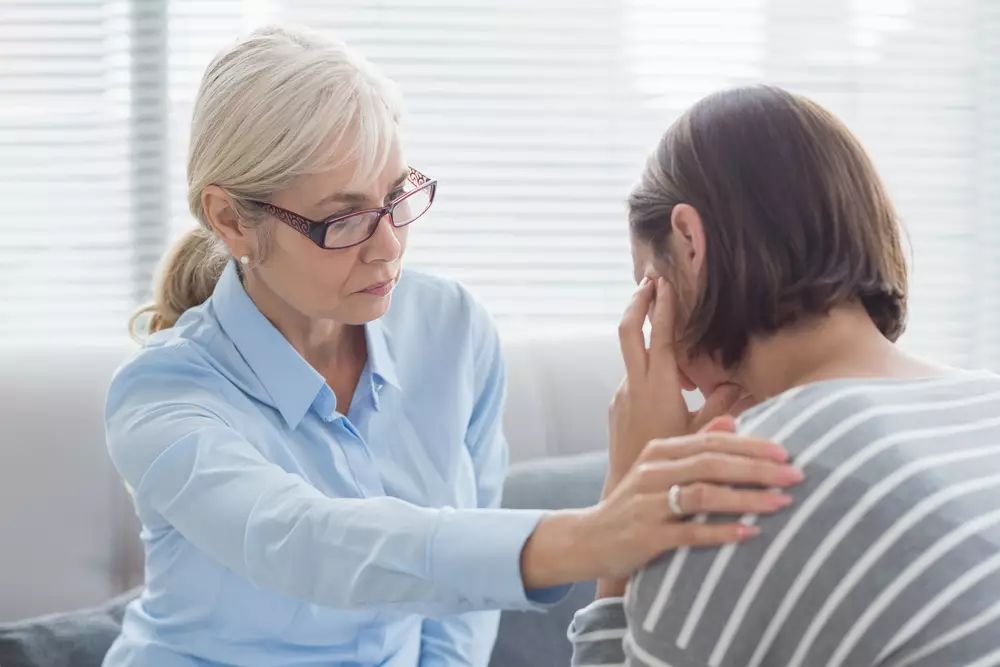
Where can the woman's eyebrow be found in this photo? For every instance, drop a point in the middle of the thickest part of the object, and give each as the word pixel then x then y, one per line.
pixel 357 197
pixel 399 181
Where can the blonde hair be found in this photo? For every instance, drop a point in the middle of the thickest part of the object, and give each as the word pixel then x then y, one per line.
pixel 269 109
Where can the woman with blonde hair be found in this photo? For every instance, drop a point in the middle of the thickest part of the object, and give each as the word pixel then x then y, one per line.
pixel 318 475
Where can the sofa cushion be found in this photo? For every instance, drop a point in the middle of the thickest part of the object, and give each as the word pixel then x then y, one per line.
pixel 562 482
pixel 73 523
pixel 72 639
pixel 558 392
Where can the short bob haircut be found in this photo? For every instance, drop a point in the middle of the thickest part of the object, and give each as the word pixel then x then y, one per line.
pixel 796 219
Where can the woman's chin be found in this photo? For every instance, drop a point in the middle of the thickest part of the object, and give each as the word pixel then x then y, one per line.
pixel 744 403
pixel 361 310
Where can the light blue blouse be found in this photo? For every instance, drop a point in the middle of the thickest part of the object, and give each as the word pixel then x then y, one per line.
pixel 279 531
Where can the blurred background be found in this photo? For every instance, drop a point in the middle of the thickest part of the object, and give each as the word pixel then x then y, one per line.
pixel 536 117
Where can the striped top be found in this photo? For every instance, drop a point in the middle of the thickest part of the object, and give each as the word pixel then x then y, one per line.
pixel 889 556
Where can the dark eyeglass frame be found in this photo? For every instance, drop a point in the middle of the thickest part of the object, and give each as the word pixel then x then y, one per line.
pixel 316 230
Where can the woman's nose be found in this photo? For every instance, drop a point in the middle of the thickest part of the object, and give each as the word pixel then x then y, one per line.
pixel 384 244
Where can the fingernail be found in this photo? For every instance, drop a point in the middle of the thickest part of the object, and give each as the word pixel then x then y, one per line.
pixel 782 500
pixel 748 531
pixel 723 423
pixel 792 475
pixel 777 452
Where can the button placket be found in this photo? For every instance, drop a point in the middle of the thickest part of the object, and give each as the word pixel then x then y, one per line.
pixel 377 385
pixel 360 459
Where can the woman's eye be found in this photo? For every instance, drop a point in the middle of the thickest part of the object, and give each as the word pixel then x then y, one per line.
pixel 351 221
pixel 340 214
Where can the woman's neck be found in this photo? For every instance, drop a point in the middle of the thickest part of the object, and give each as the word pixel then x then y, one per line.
pixel 326 344
pixel 842 344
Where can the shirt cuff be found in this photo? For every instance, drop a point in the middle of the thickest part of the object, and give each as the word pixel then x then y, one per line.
pixel 478 553
pixel 598 632
pixel 603 614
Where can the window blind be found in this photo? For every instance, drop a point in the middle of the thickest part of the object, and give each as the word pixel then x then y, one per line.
pixel 65 235
pixel 537 115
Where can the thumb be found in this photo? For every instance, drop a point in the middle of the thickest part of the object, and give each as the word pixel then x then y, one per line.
pixel 725 423
pixel 718 403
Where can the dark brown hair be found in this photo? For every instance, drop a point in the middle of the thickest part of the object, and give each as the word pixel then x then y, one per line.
pixel 796 219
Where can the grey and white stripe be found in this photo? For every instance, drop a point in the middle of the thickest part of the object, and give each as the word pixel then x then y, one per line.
pixel 787 432
pixel 918 513
pixel 673 571
pixel 890 554
pixel 956 634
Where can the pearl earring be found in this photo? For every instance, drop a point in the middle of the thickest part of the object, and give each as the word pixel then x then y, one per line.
pixel 245 260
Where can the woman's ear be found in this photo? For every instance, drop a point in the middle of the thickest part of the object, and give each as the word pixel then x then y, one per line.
pixel 689 236
pixel 225 221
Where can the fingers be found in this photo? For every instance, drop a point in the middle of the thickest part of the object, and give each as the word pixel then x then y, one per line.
pixel 720 441
pixel 662 316
pixel 662 332
pixel 715 468
pixel 693 534
pixel 630 336
pixel 724 423
pixel 702 498
pixel 718 403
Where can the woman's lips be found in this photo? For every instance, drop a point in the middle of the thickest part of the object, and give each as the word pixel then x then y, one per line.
pixel 380 289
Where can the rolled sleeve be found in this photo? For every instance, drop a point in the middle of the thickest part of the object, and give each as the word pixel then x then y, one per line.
pixel 470 543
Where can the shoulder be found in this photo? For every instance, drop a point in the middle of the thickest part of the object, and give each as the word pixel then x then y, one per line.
pixel 852 438
pixel 193 361
pixel 433 306
pixel 166 392
pixel 784 415
pixel 695 604
pixel 435 296
pixel 178 349
pixel 857 409
pixel 803 415
pixel 168 370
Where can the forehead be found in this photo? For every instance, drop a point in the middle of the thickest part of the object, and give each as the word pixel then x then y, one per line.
pixel 355 174
pixel 646 261
pixel 319 194
pixel 642 259
pixel 642 252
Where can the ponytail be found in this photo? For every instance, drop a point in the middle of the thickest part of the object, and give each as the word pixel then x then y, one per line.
pixel 187 278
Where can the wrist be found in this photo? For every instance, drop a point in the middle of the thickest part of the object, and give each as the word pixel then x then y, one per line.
pixel 611 481
pixel 615 475
pixel 556 552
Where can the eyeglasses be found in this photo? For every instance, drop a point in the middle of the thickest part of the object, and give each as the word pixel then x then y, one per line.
pixel 347 231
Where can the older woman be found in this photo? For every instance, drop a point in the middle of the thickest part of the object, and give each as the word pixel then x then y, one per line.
pixel 774 260
pixel 318 476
